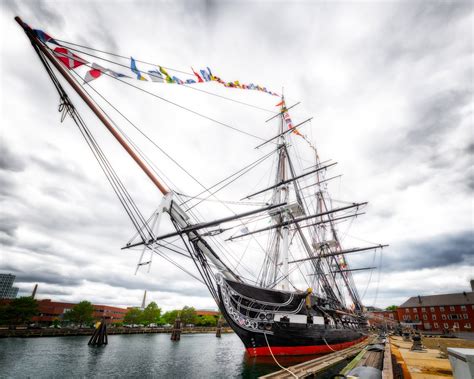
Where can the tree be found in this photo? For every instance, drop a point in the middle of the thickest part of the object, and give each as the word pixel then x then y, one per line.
pixel 170 316
pixel 206 320
pixel 20 311
pixel 151 314
pixel 188 315
pixel 391 308
pixel 133 316
pixel 81 313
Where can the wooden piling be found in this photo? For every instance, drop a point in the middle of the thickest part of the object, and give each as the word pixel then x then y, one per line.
pixel 176 333
pixel 219 327
pixel 99 337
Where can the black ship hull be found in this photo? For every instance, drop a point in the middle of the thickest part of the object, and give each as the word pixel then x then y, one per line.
pixel 275 322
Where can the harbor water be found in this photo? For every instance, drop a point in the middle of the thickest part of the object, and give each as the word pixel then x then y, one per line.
pixel 133 356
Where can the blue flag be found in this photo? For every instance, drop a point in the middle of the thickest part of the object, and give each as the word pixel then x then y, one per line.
pixel 135 70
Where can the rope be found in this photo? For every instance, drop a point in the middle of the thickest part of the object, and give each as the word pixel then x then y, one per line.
pixel 279 365
pixel 324 339
pixel 174 103
pixel 154 65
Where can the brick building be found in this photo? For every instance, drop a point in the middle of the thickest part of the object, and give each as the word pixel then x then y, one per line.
pixel 55 310
pixel 383 318
pixel 453 312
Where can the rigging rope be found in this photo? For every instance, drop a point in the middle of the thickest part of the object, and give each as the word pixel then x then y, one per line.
pixel 67 108
pixel 154 65
pixel 173 103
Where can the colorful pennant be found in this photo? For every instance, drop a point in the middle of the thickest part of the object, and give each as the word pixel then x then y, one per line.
pixel 44 37
pixel 97 70
pixel 69 59
pixel 134 69
pixel 72 61
pixel 288 122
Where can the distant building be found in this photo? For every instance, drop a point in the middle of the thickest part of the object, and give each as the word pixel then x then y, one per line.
pixel 7 291
pixel 203 312
pixel 453 312
pixel 383 318
pixel 55 310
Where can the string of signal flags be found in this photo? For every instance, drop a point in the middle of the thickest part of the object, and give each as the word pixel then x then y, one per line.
pixel 157 75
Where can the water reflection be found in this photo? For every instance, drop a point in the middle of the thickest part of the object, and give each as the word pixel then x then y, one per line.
pixel 257 366
pixel 135 356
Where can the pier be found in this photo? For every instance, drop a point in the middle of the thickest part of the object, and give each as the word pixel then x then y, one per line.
pixel 318 365
pixel 51 332
pixel 393 357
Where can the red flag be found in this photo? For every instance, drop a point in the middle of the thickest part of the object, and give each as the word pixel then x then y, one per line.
pixel 280 103
pixel 92 74
pixel 69 59
pixel 197 76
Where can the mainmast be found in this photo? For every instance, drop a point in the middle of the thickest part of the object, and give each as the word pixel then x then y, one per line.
pixel 283 195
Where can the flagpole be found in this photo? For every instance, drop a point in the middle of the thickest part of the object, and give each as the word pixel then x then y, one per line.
pixel 92 106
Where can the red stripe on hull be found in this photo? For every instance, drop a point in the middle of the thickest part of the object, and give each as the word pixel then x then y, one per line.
pixel 300 350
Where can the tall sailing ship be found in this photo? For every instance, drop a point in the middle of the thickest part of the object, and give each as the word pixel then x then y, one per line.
pixel 303 299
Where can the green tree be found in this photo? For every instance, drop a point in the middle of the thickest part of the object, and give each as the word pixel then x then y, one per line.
pixel 133 316
pixel 391 308
pixel 20 311
pixel 56 323
pixel 170 316
pixel 81 313
pixel 206 320
pixel 188 315
pixel 151 314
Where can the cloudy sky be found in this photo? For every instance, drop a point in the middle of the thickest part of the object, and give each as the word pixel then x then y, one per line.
pixel 390 86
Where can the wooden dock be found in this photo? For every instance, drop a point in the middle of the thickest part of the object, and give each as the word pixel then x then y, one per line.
pixel 313 367
pixel 378 356
pixel 426 364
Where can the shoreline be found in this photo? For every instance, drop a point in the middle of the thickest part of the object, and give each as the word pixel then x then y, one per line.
pixel 65 332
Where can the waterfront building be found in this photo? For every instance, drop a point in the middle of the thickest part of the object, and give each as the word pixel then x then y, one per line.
pixel 452 312
pixel 383 318
pixel 205 312
pixel 7 291
pixel 55 310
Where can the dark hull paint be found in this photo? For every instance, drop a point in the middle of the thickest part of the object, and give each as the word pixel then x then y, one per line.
pixel 294 339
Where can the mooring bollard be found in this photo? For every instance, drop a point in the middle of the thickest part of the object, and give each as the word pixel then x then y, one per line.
pixel 417 344
pixel 406 336
pixel 176 333
pixel 99 337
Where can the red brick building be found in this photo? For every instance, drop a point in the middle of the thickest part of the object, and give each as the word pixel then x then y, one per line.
pixel 453 312
pixel 54 310
pixel 203 312
pixel 383 318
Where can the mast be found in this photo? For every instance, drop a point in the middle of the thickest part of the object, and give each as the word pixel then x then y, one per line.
pixel 176 213
pixel 92 106
pixel 283 195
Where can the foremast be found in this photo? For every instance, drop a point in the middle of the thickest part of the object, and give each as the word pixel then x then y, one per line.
pixel 178 216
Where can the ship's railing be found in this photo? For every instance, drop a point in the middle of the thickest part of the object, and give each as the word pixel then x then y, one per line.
pixel 263 312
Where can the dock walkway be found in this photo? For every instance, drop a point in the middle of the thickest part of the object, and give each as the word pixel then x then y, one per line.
pixel 318 365
pixel 426 364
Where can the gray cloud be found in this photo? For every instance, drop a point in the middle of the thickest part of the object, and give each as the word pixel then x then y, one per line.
pixel 436 116
pixel 9 161
pixel 440 251
pixel 46 14
pixel 8 225
pixel 387 81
